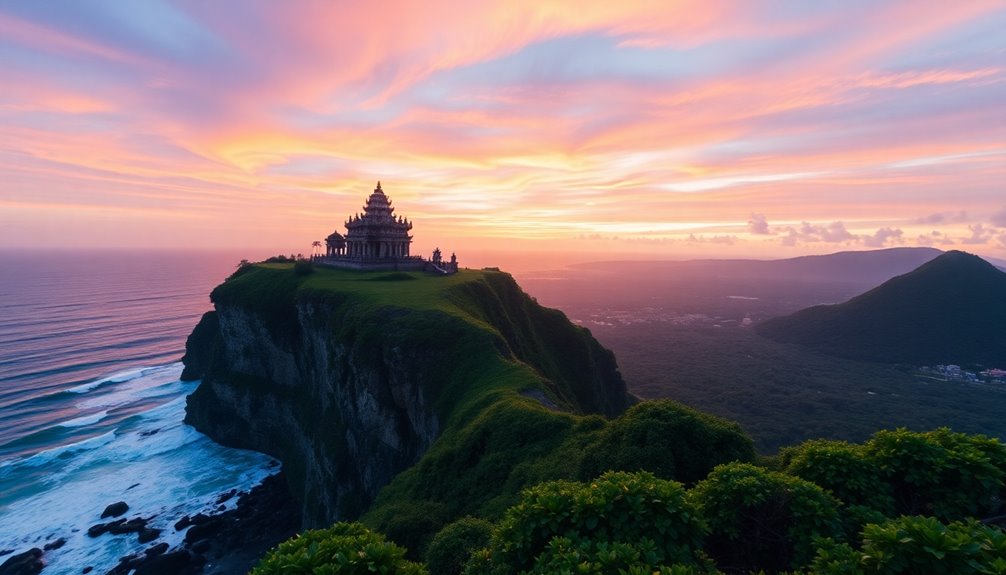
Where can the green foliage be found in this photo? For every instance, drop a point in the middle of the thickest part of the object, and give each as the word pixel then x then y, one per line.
pixel 562 555
pixel 303 267
pixel 669 439
pixel 917 546
pixel 844 469
pixel 761 519
pixel 343 549
pixel 941 473
pixel 649 518
pixel 451 548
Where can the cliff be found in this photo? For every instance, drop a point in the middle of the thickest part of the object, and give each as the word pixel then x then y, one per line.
pixel 349 378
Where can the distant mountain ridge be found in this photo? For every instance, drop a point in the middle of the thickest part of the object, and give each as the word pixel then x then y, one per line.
pixel 949 310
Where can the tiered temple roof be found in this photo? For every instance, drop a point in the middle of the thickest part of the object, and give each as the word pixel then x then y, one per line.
pixel 377 233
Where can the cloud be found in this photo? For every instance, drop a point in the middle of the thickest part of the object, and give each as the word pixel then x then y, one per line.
pixel 834 232
pixel 979 235
pixel 719 239
pixel 934 238
pixel 880 238
pixel 999 219
pixel 758 225
pixel 942 218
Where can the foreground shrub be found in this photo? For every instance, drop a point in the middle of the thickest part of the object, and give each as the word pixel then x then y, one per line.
pixel 602 558
pixel 343 549
pixel 917 546
pixel 942 473
pixel 668 439
pixel 451 548
pixel 303 267
pixel 562 519
pixel 842 468
pixel 760 519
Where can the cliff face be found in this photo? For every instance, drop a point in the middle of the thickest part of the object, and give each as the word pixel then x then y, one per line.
pixel 349 378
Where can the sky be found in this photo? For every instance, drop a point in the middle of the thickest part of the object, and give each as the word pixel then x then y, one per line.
pixel 592 130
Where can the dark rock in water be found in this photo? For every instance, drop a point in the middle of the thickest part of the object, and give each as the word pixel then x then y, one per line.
pixel 147 534
pixel 5 552
pixel 87 569
pixel 27 563
pixel 53 545
pixel 183 523
pixel 206 529
pixel 224 497
pixel 115 509
pixel 149 433
pixel 158 549
pixel 202 546
pixel 134 525
pixel 99 528
pixel 132 486
pixel 174 563
pixel 126 564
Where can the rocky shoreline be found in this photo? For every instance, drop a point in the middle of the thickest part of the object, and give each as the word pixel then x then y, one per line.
pixel 227 542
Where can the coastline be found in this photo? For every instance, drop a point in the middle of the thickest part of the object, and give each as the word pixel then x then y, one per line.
pixel 223 542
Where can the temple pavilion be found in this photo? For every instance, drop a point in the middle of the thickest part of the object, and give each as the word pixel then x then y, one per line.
pixel 377 239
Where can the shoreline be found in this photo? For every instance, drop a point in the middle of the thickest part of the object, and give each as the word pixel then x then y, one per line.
pixel 223 542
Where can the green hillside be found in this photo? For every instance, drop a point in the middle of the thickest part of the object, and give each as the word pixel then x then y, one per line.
pixel 949 310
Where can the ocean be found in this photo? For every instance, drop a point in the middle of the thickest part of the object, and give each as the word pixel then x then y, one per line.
pixel 91 406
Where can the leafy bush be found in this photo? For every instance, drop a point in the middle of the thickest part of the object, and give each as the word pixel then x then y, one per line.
pixel 343 549
pixel 651 516
pixel 453 545
pixel 760 519
pixel 941 473
pixel 842 468
pixel 669 439
pixel 602 558
pixel 917 546
pixel 303 267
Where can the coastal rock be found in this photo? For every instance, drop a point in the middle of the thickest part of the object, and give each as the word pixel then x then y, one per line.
pixel 134 525
pixel 27 563
pixel 53 545
pixel 115 509
pixel 147 534
pixel 174 563
pixel 158 549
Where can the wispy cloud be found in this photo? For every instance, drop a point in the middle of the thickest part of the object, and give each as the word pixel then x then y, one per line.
pixel 551 121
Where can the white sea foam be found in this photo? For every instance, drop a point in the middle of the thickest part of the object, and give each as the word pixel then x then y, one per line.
pixel 150 382
pixel 84 420
pixel 161 467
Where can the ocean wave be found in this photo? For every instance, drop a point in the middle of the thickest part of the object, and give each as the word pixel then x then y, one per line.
pixel 64 451
pixel 84 420
pixel 121 377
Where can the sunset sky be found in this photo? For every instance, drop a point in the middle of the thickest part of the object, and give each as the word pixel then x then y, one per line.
pixel 638 129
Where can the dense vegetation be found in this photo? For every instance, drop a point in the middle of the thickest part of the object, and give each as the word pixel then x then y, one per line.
pixel 782 394
pixel 949 310
pixel 902 502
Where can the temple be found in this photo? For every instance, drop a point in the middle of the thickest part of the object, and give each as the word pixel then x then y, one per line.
pixel 378 240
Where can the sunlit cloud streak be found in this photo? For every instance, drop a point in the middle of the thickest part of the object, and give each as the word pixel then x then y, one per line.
pixel 647 126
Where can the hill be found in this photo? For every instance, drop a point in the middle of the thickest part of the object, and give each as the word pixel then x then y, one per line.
pixel 949 310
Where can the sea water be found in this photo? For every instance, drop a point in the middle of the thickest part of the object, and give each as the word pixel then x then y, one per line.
pixel 91 405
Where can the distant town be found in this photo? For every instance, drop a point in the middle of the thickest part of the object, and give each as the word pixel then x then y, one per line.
pixel 953 372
